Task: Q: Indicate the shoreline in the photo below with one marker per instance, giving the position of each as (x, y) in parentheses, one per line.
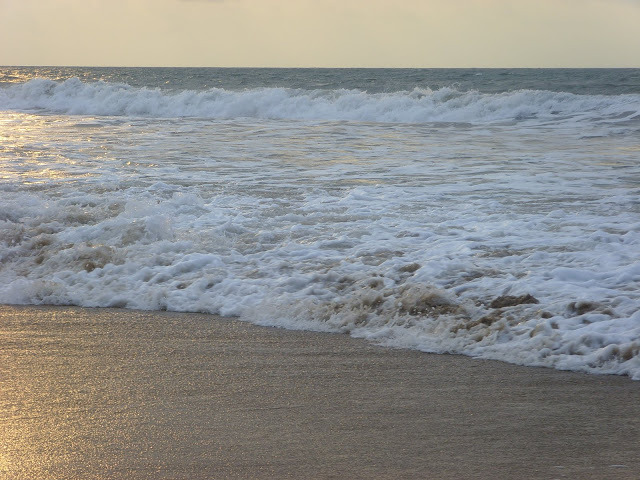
(124, 394)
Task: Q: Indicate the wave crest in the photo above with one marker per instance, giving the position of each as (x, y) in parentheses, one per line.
(73, 97)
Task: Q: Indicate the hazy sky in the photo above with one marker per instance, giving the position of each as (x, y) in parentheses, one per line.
(323, 33)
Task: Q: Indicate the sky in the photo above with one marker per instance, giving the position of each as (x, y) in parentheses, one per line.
(321, 33)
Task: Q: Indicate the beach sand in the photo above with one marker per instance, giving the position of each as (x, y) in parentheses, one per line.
(116, 394)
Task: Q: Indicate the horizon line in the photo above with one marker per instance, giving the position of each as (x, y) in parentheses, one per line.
(316, 67)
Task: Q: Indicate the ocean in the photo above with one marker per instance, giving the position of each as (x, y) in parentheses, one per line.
(488, 212)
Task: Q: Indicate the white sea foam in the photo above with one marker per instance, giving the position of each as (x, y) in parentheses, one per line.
(440, 237)
(74, 97)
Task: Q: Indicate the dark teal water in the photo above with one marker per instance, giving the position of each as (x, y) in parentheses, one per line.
(578, 81)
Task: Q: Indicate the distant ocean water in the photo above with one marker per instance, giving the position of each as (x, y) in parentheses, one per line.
(493, 213)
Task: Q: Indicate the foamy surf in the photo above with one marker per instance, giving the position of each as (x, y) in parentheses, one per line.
(499, 225)
(73, 97)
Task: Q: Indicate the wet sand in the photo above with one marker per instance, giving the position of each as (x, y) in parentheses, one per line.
(115, 394)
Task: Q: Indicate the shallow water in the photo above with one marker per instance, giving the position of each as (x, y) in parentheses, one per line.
(398, 213)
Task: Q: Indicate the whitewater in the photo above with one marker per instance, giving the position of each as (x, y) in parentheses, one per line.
(491, 213)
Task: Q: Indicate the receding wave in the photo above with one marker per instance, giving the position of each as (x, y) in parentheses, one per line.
(73, 97)
(439, 287)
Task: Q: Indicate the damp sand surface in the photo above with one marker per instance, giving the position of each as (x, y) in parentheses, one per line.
(117, 394)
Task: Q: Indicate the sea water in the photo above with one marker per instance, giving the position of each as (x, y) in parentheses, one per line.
(492, 213)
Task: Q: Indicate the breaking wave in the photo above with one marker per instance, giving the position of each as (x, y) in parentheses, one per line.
(515, 242)
(574, 307)
(73, 97)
